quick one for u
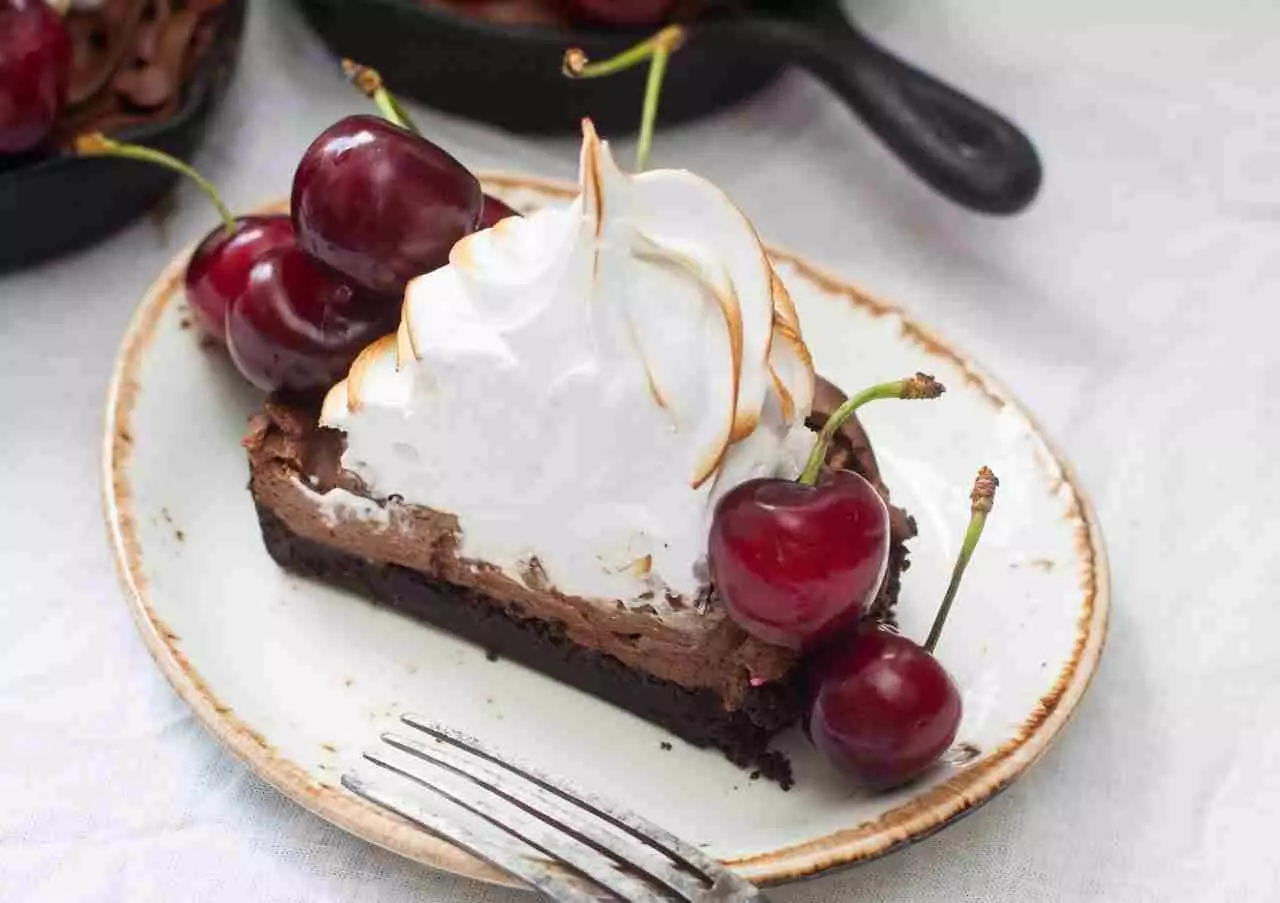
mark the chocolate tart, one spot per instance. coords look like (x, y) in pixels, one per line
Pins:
(144, 71)
(697, 674)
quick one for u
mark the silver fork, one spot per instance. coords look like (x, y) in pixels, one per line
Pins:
(565, 843)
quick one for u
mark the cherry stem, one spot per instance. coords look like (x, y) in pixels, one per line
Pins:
(656, 49)
(922, 385)
(96, 144)
(369, 82)
(983, 499)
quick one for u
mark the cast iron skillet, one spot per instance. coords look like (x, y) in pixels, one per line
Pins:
(53, 203)
(509, 75)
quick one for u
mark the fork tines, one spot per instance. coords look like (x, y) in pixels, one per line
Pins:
(561, 841)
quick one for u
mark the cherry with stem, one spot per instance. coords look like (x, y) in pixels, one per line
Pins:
(795, 562)
(885, 709)
(655, 50)
(378, 204)
(218, 270)
(369, 82)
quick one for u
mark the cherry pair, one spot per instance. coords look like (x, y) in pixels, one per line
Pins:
(884, 709)
(797, 563)
(295, 298)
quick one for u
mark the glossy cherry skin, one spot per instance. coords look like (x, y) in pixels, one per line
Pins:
(218, 271)
(885, 710)
(494, 212)
(35, 63)
(296, 326)
(622, 12)
(794, 563)
(380, 205)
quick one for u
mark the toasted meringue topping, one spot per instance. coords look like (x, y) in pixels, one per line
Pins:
(581, 385)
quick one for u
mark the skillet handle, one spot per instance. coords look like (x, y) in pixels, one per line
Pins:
(966, 151)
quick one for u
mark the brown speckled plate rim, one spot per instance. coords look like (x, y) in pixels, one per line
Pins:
(921, 816)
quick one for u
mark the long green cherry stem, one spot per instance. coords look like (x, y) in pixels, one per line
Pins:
(982, 501)
(922, 385)
(649, 113)
(369, 82)
(655, 50)
(96, 144)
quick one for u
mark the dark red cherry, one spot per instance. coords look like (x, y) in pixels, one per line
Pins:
(380, 205)
(885, 711)
(218, 271)
(622, 12)
(794, 563)
(35, 61)
(494, 211)
(296, 326)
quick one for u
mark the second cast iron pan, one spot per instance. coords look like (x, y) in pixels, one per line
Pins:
(509, 75)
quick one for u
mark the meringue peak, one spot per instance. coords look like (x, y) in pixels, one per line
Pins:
(584, 382)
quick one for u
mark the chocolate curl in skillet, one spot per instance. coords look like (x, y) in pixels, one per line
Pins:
(131, 59)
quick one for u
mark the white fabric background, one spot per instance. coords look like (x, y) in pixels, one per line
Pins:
(1135, 309)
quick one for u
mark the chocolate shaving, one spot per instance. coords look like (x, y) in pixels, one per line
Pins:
(131, 60)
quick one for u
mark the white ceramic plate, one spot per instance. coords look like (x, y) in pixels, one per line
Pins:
(297, 678)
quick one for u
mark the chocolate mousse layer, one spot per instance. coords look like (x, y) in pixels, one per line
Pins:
(689, 668)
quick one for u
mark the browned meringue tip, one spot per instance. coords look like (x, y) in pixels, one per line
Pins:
(335, 403)
(462, 255)
(383, 347)
(783, 306)
(790, 334)
(592, 189)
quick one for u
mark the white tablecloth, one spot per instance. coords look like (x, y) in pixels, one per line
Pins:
(1135, 308)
